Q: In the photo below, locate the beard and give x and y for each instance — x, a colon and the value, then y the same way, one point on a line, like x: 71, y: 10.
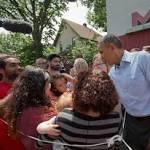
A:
x: 12, y: 76
x: 56, y: 68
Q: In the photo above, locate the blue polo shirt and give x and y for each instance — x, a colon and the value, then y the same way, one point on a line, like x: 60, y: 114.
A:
x: 132, y: 81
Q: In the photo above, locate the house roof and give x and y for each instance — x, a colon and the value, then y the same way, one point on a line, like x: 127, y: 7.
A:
x: 81, y: 30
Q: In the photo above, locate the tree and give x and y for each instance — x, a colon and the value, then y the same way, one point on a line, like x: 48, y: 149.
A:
x: 43, y: 14
x: 97, y: 13
x: 17, y: 44
x: 20, y: 46
x: 82, y: 48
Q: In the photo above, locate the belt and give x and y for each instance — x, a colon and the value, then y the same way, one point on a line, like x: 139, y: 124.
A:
x: 139, y: 118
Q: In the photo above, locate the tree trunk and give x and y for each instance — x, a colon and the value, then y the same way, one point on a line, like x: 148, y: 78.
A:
x: 37, y: 46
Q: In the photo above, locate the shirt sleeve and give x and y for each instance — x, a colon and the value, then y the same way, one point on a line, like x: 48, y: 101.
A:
x: 144, y: 62
x: 45, y: 137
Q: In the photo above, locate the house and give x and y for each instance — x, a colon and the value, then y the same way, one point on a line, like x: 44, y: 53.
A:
x: 70, y: 31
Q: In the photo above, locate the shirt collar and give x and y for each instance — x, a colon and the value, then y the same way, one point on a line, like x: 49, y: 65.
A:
x: 127, y: 57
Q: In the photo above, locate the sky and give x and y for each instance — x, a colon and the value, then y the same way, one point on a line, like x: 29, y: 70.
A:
x: 76, y: 13
x: 3, y: 31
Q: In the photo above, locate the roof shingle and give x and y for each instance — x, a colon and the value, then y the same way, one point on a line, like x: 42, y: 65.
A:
x: 82, y: 31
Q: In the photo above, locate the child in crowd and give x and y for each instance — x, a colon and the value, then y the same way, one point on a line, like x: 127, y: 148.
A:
x: 58, y: 87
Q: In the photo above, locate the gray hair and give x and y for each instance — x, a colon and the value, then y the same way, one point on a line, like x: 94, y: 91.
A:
x: 110, y: 38
x: 80, y: 65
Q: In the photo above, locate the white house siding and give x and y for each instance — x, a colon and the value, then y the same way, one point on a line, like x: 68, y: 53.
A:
x: 66, y: 38
x: 119, y: 19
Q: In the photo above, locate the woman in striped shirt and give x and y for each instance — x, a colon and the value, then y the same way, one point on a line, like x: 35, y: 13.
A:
x: 91, y: 120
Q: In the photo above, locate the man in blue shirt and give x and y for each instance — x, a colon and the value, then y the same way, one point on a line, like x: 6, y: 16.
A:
x: 130, y: 73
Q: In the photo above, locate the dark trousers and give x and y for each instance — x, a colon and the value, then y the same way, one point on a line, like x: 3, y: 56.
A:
x: 137, y: 132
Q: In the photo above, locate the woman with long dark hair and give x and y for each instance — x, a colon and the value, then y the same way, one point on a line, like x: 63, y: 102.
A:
x: 29, y: 105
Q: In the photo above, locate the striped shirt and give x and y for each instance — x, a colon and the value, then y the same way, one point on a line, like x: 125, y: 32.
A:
x: 77, y: 128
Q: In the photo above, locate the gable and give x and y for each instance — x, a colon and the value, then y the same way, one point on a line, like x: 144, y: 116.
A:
x: 83, y: 31
x: 66, y: 37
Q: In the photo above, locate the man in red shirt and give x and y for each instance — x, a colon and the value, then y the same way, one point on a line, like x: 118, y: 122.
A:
x: 10, y: 69
x: 7, y: 142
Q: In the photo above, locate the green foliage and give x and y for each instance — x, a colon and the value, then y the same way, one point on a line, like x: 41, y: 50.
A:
x: 82, y: 48
x: 18, y: 45
x: 97, y: 13
x: 48, y: 49
x: 42, y: 14
x: 21, y: 46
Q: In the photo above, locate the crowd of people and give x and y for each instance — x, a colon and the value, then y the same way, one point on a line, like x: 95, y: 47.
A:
x: 43, y: 107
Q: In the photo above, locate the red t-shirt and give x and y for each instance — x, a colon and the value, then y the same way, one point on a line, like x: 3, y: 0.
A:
x: 27, y: 123
x: 6, y: 141
x: 4, y: 89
